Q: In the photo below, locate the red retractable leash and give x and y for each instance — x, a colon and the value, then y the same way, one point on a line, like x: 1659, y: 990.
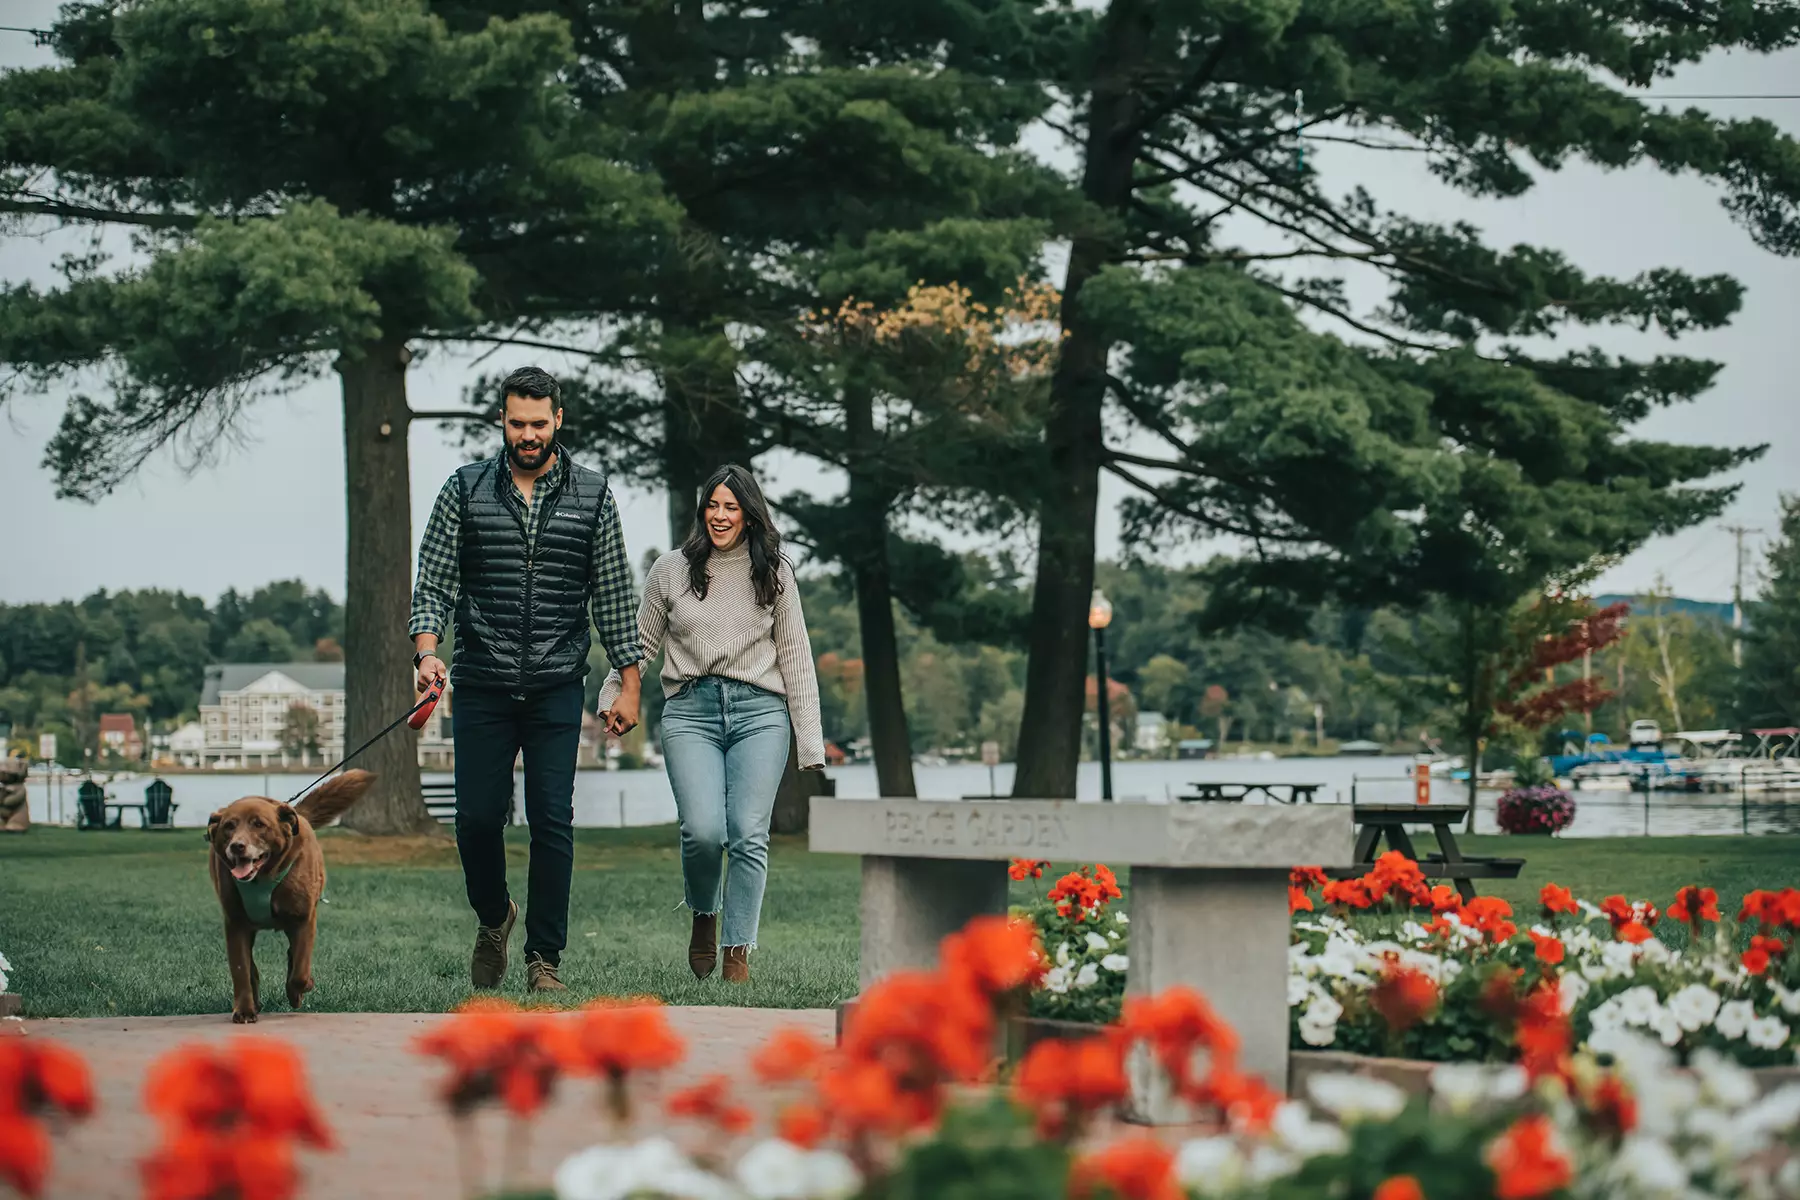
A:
x: 416, y: 716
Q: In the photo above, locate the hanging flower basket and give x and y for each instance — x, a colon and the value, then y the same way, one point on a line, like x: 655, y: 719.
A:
x: 1544, y: 809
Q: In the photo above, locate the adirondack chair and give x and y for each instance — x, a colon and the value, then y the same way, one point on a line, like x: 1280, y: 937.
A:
x: 159, y: 806
x: 92, y: 807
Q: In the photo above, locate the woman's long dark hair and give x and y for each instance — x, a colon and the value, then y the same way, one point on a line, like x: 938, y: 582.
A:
x: 759, y: 535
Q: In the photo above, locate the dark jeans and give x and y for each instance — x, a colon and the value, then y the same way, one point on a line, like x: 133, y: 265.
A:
x: 490, y: 728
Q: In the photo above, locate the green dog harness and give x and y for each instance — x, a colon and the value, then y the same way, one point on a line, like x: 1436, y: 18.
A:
x: 257, y: 895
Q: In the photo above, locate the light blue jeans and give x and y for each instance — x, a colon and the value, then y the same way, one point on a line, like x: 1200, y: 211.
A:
x: 726, y: 745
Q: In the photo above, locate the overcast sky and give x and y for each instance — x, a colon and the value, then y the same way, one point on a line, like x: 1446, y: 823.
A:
x: 274, y: 507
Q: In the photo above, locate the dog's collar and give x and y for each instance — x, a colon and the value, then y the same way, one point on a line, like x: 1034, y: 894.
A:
x: 257, y: 894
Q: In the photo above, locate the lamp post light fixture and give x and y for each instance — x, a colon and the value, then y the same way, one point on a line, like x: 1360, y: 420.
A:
x: 1100, y: 611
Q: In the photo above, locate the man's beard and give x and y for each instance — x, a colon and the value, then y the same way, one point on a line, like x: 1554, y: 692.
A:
x: 528, y: 461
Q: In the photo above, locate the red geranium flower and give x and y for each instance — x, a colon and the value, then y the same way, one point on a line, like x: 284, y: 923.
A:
x: 38, y: 1078
x: 1693, y: 905
x: 1400, y: 1187
x: 1134, y: 1168
x: 1526, y: 1161
x: 1021, y: 869
x: 1065, y: 1082
x: 1762, y: 949
x: 1549, y: 949
x: 710, y: 1101
x: 1557, y: 899
x: 1404, y: 996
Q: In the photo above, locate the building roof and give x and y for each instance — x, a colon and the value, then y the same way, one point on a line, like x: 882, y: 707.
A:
x: 235, y: 677
x: 117, y: 723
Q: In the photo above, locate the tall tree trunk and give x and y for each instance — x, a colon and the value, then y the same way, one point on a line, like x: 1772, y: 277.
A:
x: 869, y: 503
x: 378, y: 671
x: 1056, y: 674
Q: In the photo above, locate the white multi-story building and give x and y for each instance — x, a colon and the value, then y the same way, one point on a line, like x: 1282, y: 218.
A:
x: 245, y: 707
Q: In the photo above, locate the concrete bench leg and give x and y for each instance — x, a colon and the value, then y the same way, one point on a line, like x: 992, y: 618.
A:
x: 1225, y: 934
x: 910, y: 904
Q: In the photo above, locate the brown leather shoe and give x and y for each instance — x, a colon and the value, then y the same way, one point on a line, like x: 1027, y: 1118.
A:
x: 541, y: 976
x: 703, y: 947
x: 487, y: 966
x: 737, y: 964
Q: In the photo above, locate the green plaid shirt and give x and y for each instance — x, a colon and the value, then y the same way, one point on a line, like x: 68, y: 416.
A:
x: 609, y: 584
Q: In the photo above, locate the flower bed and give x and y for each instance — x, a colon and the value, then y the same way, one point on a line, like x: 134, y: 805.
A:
x: 1387, y: 965
x: 896, y: 1112
x: 1545, y: 808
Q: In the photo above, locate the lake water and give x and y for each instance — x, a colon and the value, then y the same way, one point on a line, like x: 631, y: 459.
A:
x: 614, y: 798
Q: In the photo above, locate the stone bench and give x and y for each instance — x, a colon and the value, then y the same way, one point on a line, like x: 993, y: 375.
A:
x: 1208, y: 891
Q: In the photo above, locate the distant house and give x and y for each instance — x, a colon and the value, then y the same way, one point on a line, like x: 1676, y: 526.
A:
x: 119, y: 736
x: 1194, y: 748
x: 187, y: 745
x: 1152, y: 736
x: 244, y: 714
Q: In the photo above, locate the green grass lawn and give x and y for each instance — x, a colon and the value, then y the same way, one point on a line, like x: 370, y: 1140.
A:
x: 97, y: 924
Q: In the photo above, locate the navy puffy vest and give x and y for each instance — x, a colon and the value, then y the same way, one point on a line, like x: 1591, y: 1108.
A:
x: 522, y: 614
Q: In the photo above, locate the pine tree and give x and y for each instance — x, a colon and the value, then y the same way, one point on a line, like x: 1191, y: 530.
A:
x: 1442, y: 461
x: 316, y: 186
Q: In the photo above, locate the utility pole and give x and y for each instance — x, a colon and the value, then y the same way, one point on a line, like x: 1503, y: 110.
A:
x: 1737, y: 596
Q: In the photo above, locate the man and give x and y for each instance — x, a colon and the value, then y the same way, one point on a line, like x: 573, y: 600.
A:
x: 522, y: 545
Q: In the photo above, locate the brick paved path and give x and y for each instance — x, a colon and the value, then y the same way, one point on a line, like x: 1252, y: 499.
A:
x: 395, y: 1142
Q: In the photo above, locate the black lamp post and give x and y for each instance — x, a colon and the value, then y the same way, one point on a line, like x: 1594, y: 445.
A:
x: 1099, y: 617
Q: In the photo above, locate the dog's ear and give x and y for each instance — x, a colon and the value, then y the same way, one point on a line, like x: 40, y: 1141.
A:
x: 290, y: 820
x: 212, y: 825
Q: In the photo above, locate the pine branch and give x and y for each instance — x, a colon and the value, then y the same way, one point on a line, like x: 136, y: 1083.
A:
x: 103, y: 216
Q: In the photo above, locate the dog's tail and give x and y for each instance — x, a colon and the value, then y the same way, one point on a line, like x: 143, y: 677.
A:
x: 333, y: 798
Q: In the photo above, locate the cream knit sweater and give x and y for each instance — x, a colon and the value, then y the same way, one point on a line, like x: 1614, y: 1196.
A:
x: 730, y: 635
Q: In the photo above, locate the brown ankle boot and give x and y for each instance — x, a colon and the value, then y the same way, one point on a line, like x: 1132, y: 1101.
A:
x: 703, y: 947
x: 737, y: 964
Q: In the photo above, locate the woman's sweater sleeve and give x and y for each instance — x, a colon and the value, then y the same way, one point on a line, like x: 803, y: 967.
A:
x: 793, y: 654
x: 653, y: 623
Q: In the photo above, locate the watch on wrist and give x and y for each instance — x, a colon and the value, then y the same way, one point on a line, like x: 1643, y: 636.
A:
x: 421, y: 656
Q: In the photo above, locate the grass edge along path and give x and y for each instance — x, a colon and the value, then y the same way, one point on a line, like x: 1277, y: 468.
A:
x: 125, y: 924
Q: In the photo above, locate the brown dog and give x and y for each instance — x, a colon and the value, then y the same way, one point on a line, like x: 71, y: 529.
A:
x: 269, y: 873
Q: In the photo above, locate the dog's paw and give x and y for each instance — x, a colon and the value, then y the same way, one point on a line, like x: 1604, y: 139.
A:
x: 296, y: 994
x: 243, y: 1018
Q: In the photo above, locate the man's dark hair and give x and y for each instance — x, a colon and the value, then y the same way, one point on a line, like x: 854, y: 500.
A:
x: 533, y: 383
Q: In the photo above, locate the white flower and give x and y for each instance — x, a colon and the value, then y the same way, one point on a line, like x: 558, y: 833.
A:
x: 1789, y: 1000
x: 654, y: 1166
x: 1088, y: 976
x: 1297, y: 990
x: 1607, y: 1017
x: 1651, y: 1165
x: 1733, y: 1021
x: 1620, y: 958
x: 778, y: 1170
x: 1057, y: 979
x: 1724, y: 1080
x: 1638, y: 1006
x: 1352, y: 1098
x: 1267, y: 1164
x: 1095, y: 941
x: 1112, y: 935
x: 1318, y: 1034
x: 1571, y: 990
x: 1118, y: 964
x: 1064, y: 955
x: 1303, y: 1135
x: 1464, y: 1085
x: 1694, y: 1006
x: 1767, y: 1033
x: 1324, y: 1009
x: 1210, y: 1166
x: 1667, y: 1027
x: 1121, y: 918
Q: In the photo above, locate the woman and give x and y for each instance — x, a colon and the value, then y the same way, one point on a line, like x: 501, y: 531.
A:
x: 737, y: 675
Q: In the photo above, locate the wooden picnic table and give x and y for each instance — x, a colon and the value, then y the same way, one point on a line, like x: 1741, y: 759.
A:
x: 1297, y: 793
x: 1376, y: 821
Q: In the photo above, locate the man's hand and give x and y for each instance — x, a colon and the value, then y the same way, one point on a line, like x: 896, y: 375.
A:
x: 431, y: 670
x: 622, y: 717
